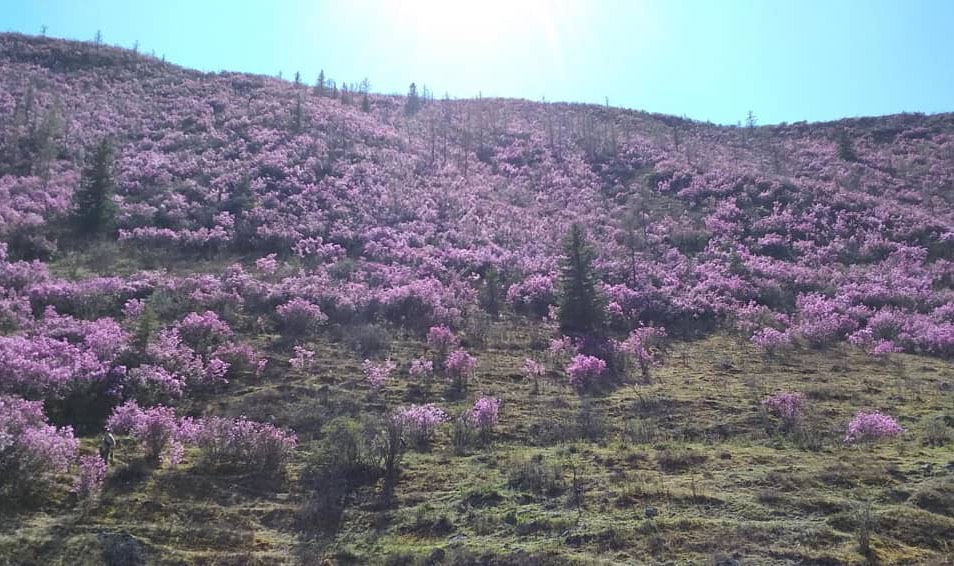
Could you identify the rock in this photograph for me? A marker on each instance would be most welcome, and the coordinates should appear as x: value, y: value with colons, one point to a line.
x: 651, y: 512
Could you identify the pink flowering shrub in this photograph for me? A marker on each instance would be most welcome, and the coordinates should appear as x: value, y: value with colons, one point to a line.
x: 304, y: 359
x: 243, y: 444
x: 459, y: 367
x: 236, y: 443
x: 642, y: 347
x: 88, y: 484
x: 584, y: 370
x: 788, y: 406
x: 242, y: 359
x: 151, y: 383
x: 771, y: 341
x: 534, y: 295
x: 485, y: 413
x: 871, y: 427
x: 156, y: 429
x: 267, y: 265
x: 203, y: 331
x: 421, y: 368
x: 32, y: 452
x: 299, y: 317
x: 441, y: 340
x: 534, y: 370
x: 378, y: 374
x: 560, y: 350
x: 420, y: 422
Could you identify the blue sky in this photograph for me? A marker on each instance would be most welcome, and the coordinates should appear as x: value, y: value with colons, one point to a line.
x: 706, y: 60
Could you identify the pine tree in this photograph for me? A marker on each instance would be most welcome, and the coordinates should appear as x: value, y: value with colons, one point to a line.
x: 413, y: 103
x: 581, y: 305
x: 846, y: 149
x: 297, y: 115
x: 320, y: 84
x: 93, y: 210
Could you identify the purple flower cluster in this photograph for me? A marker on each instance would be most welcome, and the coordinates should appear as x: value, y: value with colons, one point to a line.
x: 442, y: 340
x: 222, y: 441
x: 460, y: 366
x: 871, y: 427
x: 32, y: 452
x: 585, y: 370
x: 420, y: 421
x: 91, y: 474
x: 378, y: 374
x: 485, y: 413
x: 788, y: 406
x: 299, y: 317
x: 243, y: 444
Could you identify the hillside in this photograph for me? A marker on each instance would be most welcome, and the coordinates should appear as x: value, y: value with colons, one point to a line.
x: 270, y: 237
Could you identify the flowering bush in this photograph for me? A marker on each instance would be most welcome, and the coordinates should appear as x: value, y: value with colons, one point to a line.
x: 459, y: 366
x: 871, y: 427
x: 788, y: 406
x: 584, y: 370
x: 304, y: 359
x: 420, y: 421
x: 441, y: 339
x: 299, y: 317
x: 238, y: 443
x: 32, y: 452
x: 485, y: 413
x: 642, y: 347
x: 772, y: 341
x: 243, y: 444
x: 157, y: 429
x: 378, y: 374
x: 203, y: 331
x: 534, y: 370
x: 88, y: 483
x: 422, y: 369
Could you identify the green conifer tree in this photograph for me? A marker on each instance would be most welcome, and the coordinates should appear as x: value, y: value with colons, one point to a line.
x: 94, y: 212
x: 581, y: 305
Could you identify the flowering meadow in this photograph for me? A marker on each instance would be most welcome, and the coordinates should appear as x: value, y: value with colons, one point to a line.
x: 310, y: 318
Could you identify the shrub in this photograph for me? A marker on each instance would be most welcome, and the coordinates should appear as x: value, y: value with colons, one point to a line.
x: 89, y: 481
x: 788, y: 406
x: 303, y: 359
x: 368, y: 339
x: 459, y: 367
x: 299, y: 317
x: 243, y: 444
x: 32, y: 452
x: 536, y: 475
x: 157, y: 429
x: 442, y: 340
x: 378, y: 374
x: 642, y: 347
x: 420, y: 422
x: 584, y: 370
x: 871, y: 427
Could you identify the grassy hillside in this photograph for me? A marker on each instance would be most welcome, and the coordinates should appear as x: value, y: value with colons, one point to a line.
x: 275, y: 246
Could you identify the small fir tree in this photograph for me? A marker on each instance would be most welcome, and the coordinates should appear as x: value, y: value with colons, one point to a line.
x: 94, y: 211
x: 581, y: 305
x: 413, y: 102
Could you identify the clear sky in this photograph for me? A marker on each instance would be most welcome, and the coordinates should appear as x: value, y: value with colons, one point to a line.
x: 786, y: 60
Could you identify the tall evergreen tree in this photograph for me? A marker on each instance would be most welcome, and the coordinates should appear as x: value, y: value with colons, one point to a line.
x: 413, y: 102
x: 94, y: 212
x: 320, y: 84
x: 581, y: 305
